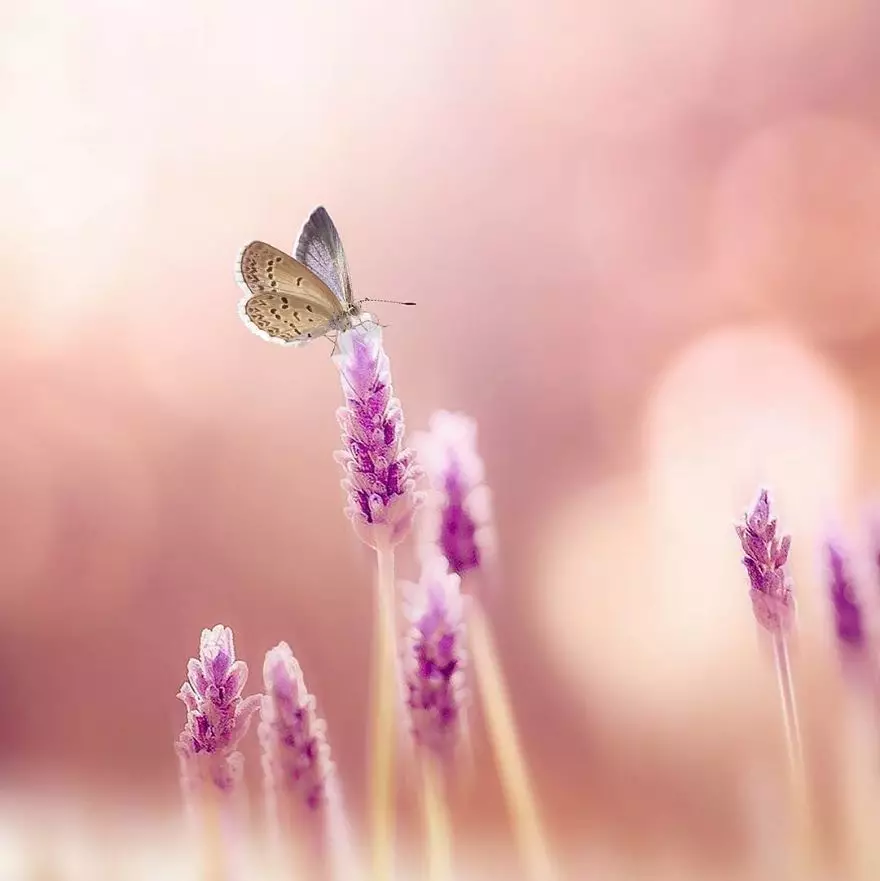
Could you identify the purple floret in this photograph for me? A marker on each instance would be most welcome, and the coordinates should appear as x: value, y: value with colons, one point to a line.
x: 217, y: 715
x: 435, y: 661
x: 848, y: 621
x: 296, y: 757
x: 380, y: 473
x: 458, y: 524
x: 766, y: 554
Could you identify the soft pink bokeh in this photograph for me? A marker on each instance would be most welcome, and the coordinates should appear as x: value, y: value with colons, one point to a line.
x: 645, y: 244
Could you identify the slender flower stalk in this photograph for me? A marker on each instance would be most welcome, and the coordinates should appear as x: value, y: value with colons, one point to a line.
x: 300, y: 780
x: 217, y: 718
x: 380, y: 479
x: 766, y: 555
x: 509, y: 756
x: 438, y: 829
x: 434, y: 670
x: 458, y: 524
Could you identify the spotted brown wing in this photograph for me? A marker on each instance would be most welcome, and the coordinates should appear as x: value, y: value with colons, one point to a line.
x: 285, y: 301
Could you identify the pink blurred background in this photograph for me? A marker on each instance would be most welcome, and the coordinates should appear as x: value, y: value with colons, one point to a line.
x: 643, y: 239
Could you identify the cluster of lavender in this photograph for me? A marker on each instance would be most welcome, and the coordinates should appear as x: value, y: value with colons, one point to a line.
x: 456, y: 543
x: 294, y: 746
x: 380, y: 483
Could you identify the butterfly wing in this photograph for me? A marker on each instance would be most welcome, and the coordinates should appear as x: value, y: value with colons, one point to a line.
x: 285, y: 302
x: 319, y: 247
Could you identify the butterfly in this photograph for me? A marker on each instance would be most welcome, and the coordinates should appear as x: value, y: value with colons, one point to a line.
x: 292, y: 300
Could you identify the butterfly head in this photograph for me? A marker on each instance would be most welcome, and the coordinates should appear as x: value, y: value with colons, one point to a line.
x: 349, y: 316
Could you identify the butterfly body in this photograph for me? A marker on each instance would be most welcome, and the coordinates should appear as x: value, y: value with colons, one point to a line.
x: 292, y: 300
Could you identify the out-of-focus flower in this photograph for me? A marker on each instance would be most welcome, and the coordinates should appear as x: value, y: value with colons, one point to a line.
x: 217, y: 717
x: 296, y: 757
x: 765, y: 557
x: 848, y: 620
x: 457, y: 521
x: 435, y: 659
x: 380, y: 473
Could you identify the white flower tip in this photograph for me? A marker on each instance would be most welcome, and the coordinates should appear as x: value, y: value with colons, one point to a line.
x: 217, y: 639
x: 282, y: 673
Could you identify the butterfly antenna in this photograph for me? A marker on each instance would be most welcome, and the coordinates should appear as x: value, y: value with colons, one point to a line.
x: 395, y: 302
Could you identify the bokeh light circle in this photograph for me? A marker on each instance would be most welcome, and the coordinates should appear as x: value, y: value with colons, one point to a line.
x: 796, y: 214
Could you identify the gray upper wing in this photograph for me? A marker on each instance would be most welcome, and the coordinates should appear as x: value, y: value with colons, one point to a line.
x: 319, y: 248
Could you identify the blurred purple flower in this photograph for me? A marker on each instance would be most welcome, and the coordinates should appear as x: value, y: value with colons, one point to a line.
x: 458, y: 517
x: 217, y: 717
x: 380, y: 474
x: 848, y: 621
x: 435, y: 659
x: 765, y: 558
x: 296, y: 756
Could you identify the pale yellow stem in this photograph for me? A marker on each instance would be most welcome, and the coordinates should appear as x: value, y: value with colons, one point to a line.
x: 384, y: 732
x: 802, y: 851
x: 213, y: 863
x: 437, y: 827
x: 504, y: 738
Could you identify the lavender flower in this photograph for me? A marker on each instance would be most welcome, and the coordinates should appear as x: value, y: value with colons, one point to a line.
x: 848, y: 622
x: 765, y: 558
x: 459, y: 514
x: 380, y: 474
x: 296, y: 757
x: 435, y: 659
x: 217, y: 717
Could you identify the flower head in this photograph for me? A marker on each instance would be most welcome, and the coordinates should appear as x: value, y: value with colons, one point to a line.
x: 217, y: 717
x: 435, y: 659
x: 765, y: 557
x: 848, y: 619
x: 459, y: 513
x: 380, y: 474
x: 296, y: 757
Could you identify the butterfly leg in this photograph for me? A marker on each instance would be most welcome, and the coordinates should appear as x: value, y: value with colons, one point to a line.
x: 335, y: 341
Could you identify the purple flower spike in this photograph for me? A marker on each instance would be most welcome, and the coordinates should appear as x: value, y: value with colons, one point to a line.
x: 765, y: 558
x: 459, y: 521
x: 848, y: 621
x: 380, y: 474
x: 217, y: 717
x: 435, y: 659
x: 296, y: 757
